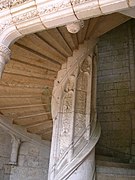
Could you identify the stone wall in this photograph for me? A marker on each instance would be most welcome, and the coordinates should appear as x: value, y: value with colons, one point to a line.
x: 33, y: 160
x: 114, y: 171
x: 5, y: 150
x: 33, y: 163
x: 116, y: 93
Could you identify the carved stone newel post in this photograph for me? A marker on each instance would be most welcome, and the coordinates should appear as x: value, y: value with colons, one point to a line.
x: 4, y: 57
x: 75, y: 131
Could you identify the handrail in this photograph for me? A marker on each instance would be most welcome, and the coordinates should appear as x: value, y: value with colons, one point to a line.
x: 75, y: 162
x: 12, y: 129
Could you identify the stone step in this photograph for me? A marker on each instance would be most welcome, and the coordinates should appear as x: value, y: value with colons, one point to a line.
x: 114, y: 171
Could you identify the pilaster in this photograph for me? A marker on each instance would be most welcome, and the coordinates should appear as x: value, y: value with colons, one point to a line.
x: 16, y: 142
x: 5, y: 54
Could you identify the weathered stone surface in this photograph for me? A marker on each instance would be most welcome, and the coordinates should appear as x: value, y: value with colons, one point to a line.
x: 33, y: 162
x: 5, y: 151
x: 115, y: 92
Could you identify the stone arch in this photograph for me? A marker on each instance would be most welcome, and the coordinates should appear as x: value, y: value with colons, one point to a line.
x: 27, y: 16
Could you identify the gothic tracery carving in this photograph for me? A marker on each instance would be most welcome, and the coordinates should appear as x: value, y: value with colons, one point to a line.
x: 81, y: 101
x: 66, y: 115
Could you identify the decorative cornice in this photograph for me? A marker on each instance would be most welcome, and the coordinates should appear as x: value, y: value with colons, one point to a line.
x: 11, y: 3
x: 25, y: 16
x: 55, y: 7
x: 4, y: 5
x: 48, y: 8
x: 76, y: 2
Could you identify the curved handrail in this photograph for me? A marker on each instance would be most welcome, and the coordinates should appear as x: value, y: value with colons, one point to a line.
x: 78, y: 160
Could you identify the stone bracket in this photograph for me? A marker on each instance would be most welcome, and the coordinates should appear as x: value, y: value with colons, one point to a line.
x: 16, y: 142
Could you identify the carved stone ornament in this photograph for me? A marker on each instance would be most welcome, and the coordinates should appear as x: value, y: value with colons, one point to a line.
x: 5, y: 54
x: 4, y: 4
x: 75, y: 2
x: 25, y: 16
x: 5, y: 25
x: 67, y: 107
x: 75, y: 27
x: 54, y: 7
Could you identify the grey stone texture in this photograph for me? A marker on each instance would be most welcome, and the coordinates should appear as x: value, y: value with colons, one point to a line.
x: 33, y: 160
x: 116, y: 93
x: 5, y: 150
x: 33, y: 163
x: 114, y: 171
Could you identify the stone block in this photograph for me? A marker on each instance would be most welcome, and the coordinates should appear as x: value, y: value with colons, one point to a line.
x: 123, y: 92
x: 22, y: 160
x: 111, y: 93
x: 33, y: 151
x: 7, y: 169
x: 1, y: 174
x: 119, y: 100
x: 33, y: 161
x: 112, y: 5
x: 107, y: 72
x: 121, y: 85
x: 105, y: 101
x: 121, y: 70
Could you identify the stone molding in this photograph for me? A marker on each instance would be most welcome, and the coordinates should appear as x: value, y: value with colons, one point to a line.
x: 47, y: 12
x: 11, y: 3
x: 20, y: 133
x: 55, y: 7
x: 21, y: 17
x: 16, y: 142
x: 5, y: 52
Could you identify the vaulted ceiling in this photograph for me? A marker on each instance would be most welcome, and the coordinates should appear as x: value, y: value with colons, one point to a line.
x: 28, y: 79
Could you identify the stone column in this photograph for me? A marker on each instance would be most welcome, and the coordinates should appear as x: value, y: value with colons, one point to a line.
x: 4, y: 57
x: 16, y: 142
x: 76, y: 130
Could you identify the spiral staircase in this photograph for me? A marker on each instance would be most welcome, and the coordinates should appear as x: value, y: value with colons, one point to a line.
x: 29, y: 78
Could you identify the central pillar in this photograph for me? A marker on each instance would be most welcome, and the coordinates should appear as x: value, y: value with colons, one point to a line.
x: 75, y: 129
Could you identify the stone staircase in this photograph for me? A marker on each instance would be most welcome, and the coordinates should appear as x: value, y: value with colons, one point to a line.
x: 20, y: 132
x: 106, y: 170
